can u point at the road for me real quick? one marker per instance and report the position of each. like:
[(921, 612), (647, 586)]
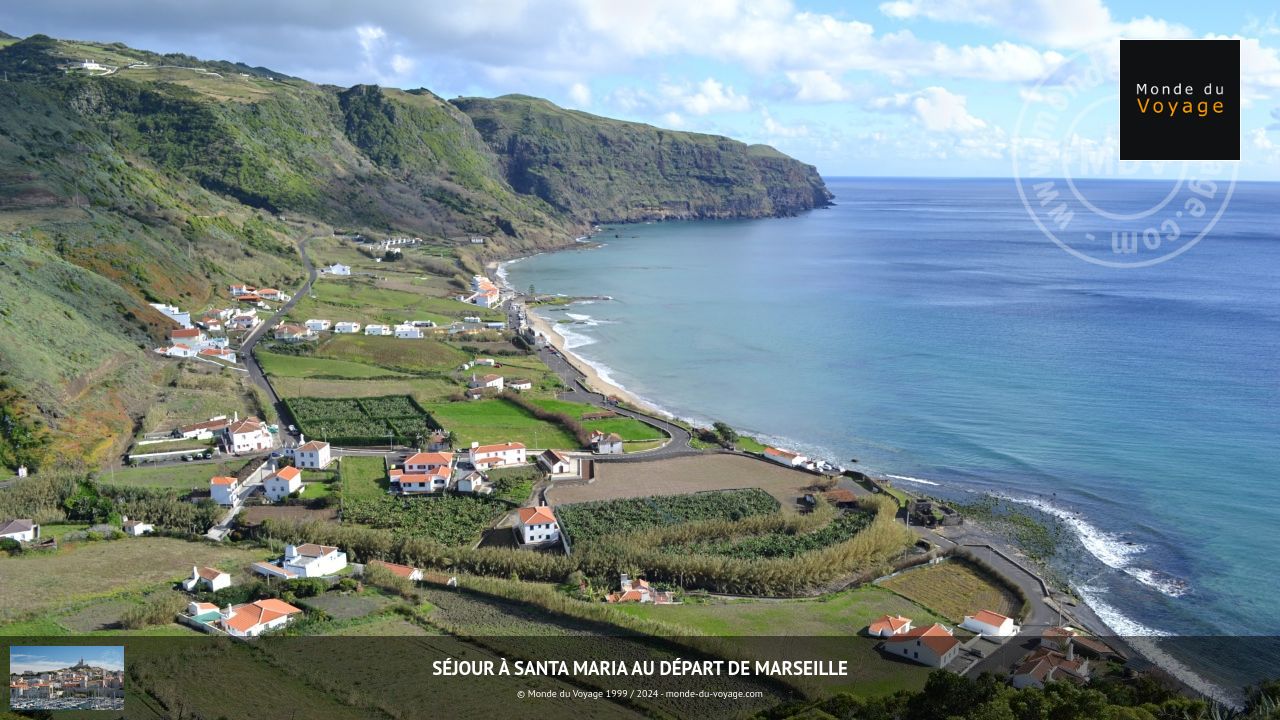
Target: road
[(258, 377)]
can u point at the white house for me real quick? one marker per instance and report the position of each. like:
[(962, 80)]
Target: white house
[(473, 482), (888, 626), (347, 327), (490, 362), (486, 456), (425, 462), (377, 329), (253, 619), (173, 313), (283, 483), (225, 490), (986, 622), (313, 455), (20, 530), (178, 351), (554, 462), (519, 384), (136, 528), (606, 443), (1046, 664), (537, 525), (191, 337), (785, 457), (273, 294), (412, 574), (412, 483), (933, 646), (308, 560), (206, 578), (494, 382), (315, 325), (408, 332), (638, 591), (248, 435), (338, 269)]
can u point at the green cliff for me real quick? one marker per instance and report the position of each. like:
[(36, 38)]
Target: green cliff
[(599, 170)]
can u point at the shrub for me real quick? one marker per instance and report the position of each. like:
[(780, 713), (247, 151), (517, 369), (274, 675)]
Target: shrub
[(157, 609)]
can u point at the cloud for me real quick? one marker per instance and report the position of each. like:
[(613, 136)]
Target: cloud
[(1050, 22), (580, 94), (775, 129), (703, 98), (817, 86), (936, 108)]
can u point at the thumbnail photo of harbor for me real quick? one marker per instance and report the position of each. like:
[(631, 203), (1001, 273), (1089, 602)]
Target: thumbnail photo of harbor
[(66, 677)]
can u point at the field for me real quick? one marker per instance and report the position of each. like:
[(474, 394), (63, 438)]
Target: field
[(630, 429), (423, 389), (677, 476), (306, 367), (193, 392), (341, 606), (363, 301), (953, 589), (181, 476), (363, 478), (826, 628), (362, 421), (40, 583), (495, 421), (416, 356), (584, 522), (255, 514), (447, 519)]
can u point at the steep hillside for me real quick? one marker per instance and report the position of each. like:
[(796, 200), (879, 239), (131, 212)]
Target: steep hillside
[(600, 170), (129, 177)]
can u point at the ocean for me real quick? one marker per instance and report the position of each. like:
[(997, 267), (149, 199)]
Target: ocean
[(927, 328)]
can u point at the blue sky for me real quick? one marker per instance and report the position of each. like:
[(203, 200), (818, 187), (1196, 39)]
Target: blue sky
[(41, 658), (883, 87)]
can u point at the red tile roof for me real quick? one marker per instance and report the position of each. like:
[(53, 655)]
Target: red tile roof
[(209, 573), (498, 448), (991, 618), (222, 480), (891, 623), (403, 571), (536, 515), (313, 446), (429, 458), (250, 615), (288, 474), (935, 637)]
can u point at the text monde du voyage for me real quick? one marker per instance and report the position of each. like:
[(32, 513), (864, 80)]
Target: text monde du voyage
[(1180, 99)]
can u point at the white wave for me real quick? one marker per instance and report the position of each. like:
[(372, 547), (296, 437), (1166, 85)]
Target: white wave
[(1165, 583), (1145, 640), (577, 316), (1108, 548), (573, 338), (908, 478)]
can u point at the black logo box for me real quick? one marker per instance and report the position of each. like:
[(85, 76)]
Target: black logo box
[(1185, 65)]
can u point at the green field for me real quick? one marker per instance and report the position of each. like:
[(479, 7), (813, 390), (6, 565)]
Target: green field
[(954, 589), (836, 622), (496, 421), (363, 477), (183, 476), (360, 300), (306, 367), (418, 356), (630, 429)]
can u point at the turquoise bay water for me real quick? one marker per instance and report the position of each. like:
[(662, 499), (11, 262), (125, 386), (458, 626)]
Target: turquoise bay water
[(928, 329)]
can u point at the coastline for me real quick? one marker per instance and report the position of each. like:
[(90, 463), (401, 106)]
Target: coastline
[(1075, 605)]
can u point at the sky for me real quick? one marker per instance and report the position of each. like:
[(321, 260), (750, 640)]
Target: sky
[(43, 658), (892, 87)]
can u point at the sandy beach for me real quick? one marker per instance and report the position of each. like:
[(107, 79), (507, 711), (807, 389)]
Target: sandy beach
[(593, 380)]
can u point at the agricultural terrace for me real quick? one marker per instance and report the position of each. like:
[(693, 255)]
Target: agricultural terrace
[(362, 421), (448, 519), (675, 476), (585, 522), (829, 627), (953, 589), (302, 366), (496, 421), (41, 582), (425, 356)]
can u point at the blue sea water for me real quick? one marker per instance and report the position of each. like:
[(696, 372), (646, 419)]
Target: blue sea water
[(927, 328)]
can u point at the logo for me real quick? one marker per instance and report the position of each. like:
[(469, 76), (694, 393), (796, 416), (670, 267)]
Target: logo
[(1071, 148)]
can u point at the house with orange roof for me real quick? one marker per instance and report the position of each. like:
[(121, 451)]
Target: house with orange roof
[(415, 483), (606, 443), (638, 591), (248, 435), (283, 483), (240, 290), (483, 457), (409, 573), (986, 622), (206, 578), (537, 525), (785, 457), (888, 626), (933, 646), (188, 337), (224, 489), (314, 455), (253, 619), (486, 382), (427, 462), (273, 294), (1045, 665)]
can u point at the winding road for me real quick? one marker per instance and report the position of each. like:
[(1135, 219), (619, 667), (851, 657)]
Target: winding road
[(251, 364)]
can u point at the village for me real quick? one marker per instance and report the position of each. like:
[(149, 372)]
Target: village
[(79, 687)]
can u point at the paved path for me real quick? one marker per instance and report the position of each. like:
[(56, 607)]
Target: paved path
[(251, 364)]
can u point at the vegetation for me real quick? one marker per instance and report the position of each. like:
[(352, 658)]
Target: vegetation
[(363, 421), (496, 420), (447, 519), (954, 589), (585, 522)]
